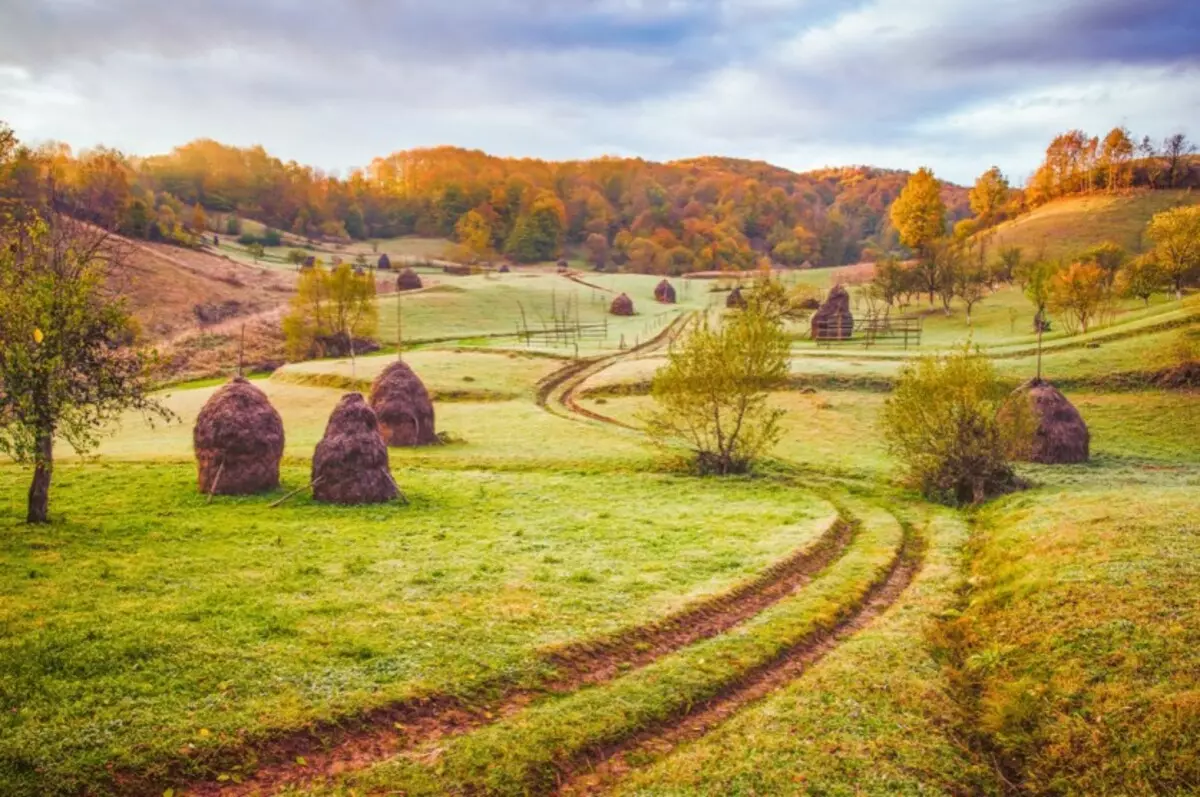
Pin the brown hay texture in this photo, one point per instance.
(622, 305)
(1061, 436)
(408, 280)
(403, 407)
(834, 321)
(735, 300)
(664, 292)
(385, 262)
(238, 441)
(350, 465)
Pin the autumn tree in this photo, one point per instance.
(1008, 263)
(1108, 256)
(68, 364)
(1176, 237)
(713, 394)
(919, 215)
(1176, 150)
(332, 309)
(989, 195)
(1037, 277)
(538, 234)
(1117, 159)
(596, 246)
(970, 276)
(474, 232)
(1077, 293)
(891, 279)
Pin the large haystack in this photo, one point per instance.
(408, 280)
(402, 405)
(664, 292)
(238, 441)
(350, 465)
(735, 300)
(1061, 436)
(622, 305)
(834, 321)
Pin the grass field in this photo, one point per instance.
(560, 609)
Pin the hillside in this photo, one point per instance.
(1065, 227)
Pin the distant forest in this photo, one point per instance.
(691, 215)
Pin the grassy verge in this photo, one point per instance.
(525, 753)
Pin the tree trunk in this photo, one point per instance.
(39, 490)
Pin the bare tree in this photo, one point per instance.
(1176, 149)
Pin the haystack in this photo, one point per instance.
(664, 292)
(504, 269)
(238, 441)
(622, 305)
(1061, 436)
(408, 280)
(735, 300)
(563, 266)
(350, 465)
(402, 405)
(385, 262)
(833, 320)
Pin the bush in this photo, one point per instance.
(943, 422)
(712, 394)
(246, 239)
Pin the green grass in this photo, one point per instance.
(145, 620)
(1080, 645)
(522, 754)
(1066, 227)
(867, 719)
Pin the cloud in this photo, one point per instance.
(955, 85)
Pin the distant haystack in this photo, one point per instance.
(385, 262)
(622, 305)
(1061, 436)
(408, 280)
(834, 321)
(238, 441)
(664, 292)
(735, 300)
(504, 269)
(350, 465)
(402, 404)
(563, 266)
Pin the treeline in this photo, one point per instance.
(702, 214)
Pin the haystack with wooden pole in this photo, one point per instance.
(403, 407)
(735, 300)
(622, 305)
(664, 292)
(1059, 434)
(409, 280)
(833, 321)
(238, 441)
(350, 465)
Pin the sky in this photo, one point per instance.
(956, 85)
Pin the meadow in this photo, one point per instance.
(559, 608)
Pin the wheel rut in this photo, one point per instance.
(330, 749)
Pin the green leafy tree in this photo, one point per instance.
(891, 279)
(1108, 256)
(233, 225)
(331, 309)
(296, 257)
(943, 422)
(68, 368)
(1176, 237)
(713, 393)
(1141, 278)
(256, 251)
(1008, 263)
(538, 234)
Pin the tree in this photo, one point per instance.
(1008, 263)
(474, 232)
(970, 278)
(1108, 256)
(1176, 237)
(256, 251)
(330, 311)
(1077, 293)
(919, 214)
(296, 257)
(1141, 278)
(597, 250)
(891, 279)
(1116, 157)
(990, 195)
(943, 422)
(538, 234)
(199, 222)
(67, 364)
(233, 225)
(712, 395)
(1176, 149)
(1152, 160)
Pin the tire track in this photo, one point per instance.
(333, 748)
(599, 772)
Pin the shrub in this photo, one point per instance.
(942, 421)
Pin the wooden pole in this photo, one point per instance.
(297, 491)
(212, 490)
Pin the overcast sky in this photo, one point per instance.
(957, 85)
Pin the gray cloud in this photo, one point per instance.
(802, 82)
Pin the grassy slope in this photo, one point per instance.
(1068, 226)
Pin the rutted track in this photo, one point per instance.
(331, 749)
